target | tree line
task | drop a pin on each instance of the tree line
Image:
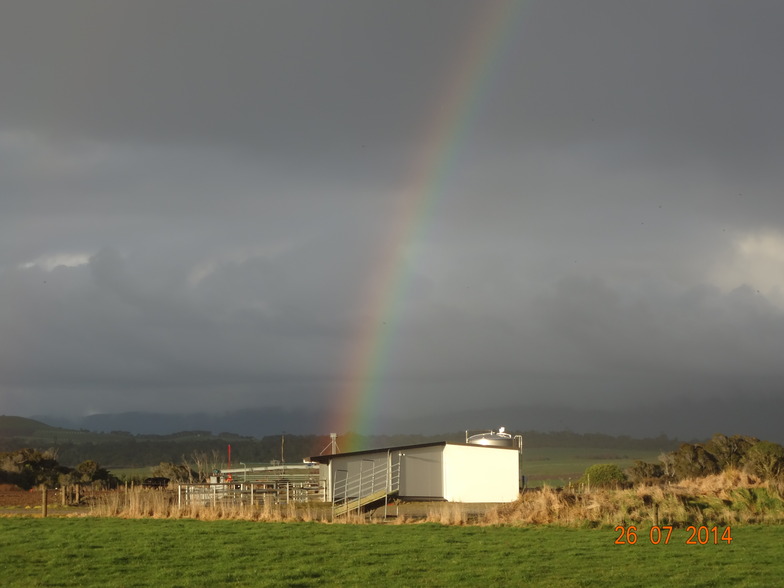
(30, 468)
(190, 457)
(762, 459)
(122, 449)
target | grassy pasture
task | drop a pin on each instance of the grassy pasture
(556, 466)
(115, 552)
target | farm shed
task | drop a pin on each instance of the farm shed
(454, 472)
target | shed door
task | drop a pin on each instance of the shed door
(422, 474)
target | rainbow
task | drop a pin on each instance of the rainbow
(468, 82)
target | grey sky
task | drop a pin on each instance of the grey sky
(195, 195)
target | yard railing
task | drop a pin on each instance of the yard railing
(374, 484)
(255, 493)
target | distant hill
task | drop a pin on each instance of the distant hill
(14, 426)
(118, 448)
(685, 419)
(251, 422)
(121, 448)
(17, 432)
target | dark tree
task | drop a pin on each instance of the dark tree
(643, 472)
(174, 472)
(693, 461)
(730, 452)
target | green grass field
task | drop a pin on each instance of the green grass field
(115, 552)
(557, 466)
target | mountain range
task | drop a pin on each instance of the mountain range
(684, 420)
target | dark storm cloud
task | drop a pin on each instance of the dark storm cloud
(294, 77)
(690, 76)
(284, 77)
(197, 199)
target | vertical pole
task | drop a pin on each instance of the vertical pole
(520, 476)
(43, 502)
(389, 471)
(359, 490)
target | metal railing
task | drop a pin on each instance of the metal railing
(269, 473)
(251, 494)
(373, 483)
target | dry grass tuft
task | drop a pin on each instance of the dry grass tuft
(730, 497)
(719, 484)
(138, 503)
(451, 513)
(724, 499)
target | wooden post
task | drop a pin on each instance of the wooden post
(43, 502)
(656, 514)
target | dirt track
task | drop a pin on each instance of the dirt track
(14, 497)
(23, 498)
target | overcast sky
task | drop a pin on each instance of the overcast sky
(195, 198)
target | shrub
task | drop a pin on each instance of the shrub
(604, 475)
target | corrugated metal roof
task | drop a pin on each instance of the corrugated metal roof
(327, 458)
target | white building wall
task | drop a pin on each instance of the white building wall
(480, 474)
(456, 473)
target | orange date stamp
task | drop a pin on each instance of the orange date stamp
(662, 535)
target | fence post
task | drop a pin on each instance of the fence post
(43, 502)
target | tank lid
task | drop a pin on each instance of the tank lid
(492, 438)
